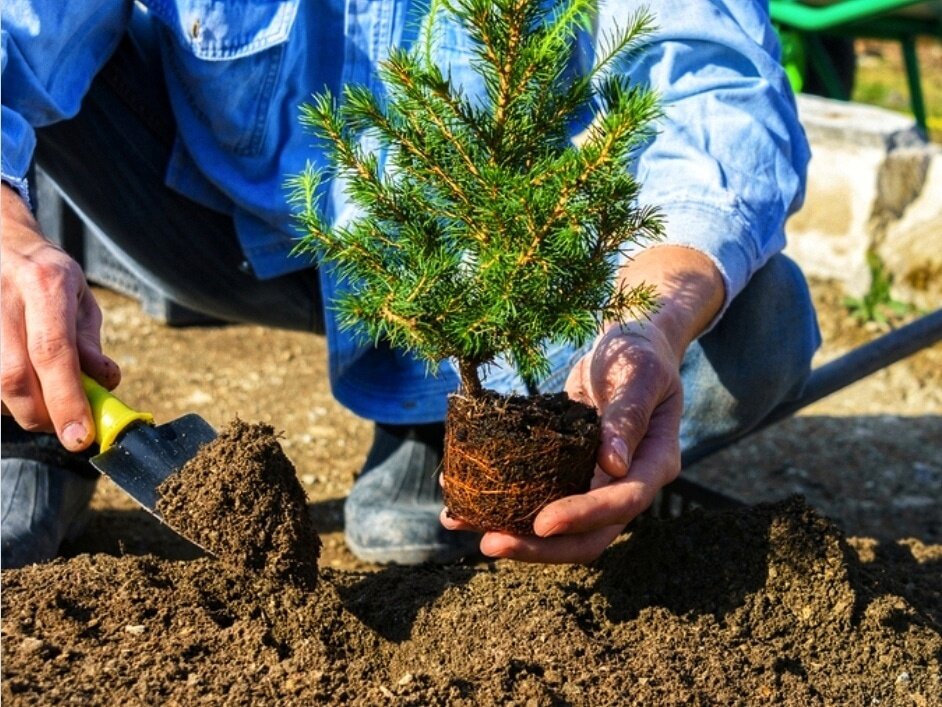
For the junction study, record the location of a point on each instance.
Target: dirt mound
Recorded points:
(763, 605)
(240, 498)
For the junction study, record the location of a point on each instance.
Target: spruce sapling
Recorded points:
(486, 230)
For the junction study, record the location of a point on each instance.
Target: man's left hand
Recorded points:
(632, 377)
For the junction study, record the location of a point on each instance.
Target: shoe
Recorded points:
(392, 512)
(45, 494)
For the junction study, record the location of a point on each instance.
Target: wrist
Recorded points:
(20, 228)
(13, 204)
(639, 334)
(18, 186)
(689, 290)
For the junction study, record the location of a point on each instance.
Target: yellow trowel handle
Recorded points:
(111, 416)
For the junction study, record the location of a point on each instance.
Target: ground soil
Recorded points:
(490, 477)
(768, 605)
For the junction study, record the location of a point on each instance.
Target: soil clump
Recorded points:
(506, 458)
(239, 498)
(763, 605)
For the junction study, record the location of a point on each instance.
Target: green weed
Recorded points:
(877, 304)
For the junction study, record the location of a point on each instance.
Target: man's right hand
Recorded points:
(51, 331)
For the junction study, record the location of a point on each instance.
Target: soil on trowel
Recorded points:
(766, 605)
(240, 499)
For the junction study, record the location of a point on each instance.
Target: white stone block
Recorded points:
(911, 248)
(874, 184)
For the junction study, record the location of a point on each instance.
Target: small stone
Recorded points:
(136, 629)
(404, 680)
(387, 693)
(31, 645)
(199, 397)
(902, 678)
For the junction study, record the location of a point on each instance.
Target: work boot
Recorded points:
(391, 514)
(45, 494)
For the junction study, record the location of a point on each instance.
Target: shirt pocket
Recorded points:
(225, 59)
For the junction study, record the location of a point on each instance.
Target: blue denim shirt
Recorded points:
(727, 165)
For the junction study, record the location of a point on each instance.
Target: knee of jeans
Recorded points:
(759, 354)
(790, 288)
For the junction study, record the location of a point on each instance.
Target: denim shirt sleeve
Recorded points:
(728, 163)
(49, 57)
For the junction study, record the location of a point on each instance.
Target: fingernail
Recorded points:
(111, 370)
(621, 449)
(74, 434)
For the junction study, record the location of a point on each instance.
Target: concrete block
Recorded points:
(911, 246)
(874, 184)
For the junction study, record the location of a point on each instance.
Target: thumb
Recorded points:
(614, 455)
(624, 424)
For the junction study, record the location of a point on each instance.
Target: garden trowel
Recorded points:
(134, 452)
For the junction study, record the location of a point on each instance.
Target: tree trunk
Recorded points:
(470, 381)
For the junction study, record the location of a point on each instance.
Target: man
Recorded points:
(185, 126)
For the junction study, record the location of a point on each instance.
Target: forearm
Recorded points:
(689, 290)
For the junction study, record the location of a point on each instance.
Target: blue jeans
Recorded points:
(111, 159)
(758, 355)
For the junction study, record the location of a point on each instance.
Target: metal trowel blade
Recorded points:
(145, 455)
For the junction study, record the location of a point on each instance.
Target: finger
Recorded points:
(575, 386)
(22, 394)
(88, 341)
(613, 455)
(562, 549)
(625, 423)
(51, 343)
(628, 383)
(22, 398)
(639, 388)
(614, 504)
(453, 522)
(656, 462)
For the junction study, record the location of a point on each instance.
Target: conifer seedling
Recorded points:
(486, 230)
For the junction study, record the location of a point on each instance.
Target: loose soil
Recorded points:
(741, 608)
(240, 498)
(506, 458)
(768, 605)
